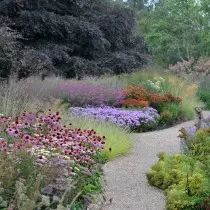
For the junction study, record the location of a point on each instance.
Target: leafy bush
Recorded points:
(170, 37)
(131, 102)
(171, 114)
(188, 134)
(204, 95)
(197, 71)
(141, 96)
(191, 67)
(182, 68)
(138, 120)
(166, 117)
(81, 94)
(97, 37)
(155, 84)
(184, 179)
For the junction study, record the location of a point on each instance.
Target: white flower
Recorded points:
(162, 79)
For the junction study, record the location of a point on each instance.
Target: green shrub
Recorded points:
(188, 194)
(172, 113)
(200, 145)
(166, 117)
(20, 178)
(204, 95)
(184, 179)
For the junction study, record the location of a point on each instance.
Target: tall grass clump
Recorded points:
(30, 94)
(117, 139)
(108, 81)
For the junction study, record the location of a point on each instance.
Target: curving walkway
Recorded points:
(126, 182)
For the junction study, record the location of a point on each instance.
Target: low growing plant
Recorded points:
(184, 179)
(204, 95)
(135, 120)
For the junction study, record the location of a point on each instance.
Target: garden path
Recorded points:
(126, 182)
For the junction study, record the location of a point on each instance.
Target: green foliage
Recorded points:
(204, 95)
(22, 182)
(204, 89)
(21, 179)
(201, 144)
(88, 186)
(170, 113)
(183, 178)
(166, 118)
(136, 4)
(170, 83)
(178, 199)
(176, 30)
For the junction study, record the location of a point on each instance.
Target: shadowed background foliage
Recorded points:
(71, 38)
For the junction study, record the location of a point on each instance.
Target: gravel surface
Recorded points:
(126, 182)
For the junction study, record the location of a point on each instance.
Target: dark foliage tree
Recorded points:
(68, 37)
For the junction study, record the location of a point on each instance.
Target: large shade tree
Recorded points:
(177, 30)
(71, 38)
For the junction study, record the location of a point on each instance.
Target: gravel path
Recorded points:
(126, 182)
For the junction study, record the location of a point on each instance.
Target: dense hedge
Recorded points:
(72, 38)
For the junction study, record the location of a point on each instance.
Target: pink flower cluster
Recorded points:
(48, 140)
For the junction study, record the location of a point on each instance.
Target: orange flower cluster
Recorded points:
(137, 96)
(136, 92)
(130, 102)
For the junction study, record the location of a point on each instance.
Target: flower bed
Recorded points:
(46, 138)
(73, 153)
(137, 96)
(140, 120)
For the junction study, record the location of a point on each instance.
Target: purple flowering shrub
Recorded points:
(137, 120)
(81, 94)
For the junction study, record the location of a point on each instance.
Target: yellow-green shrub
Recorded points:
(184, 179)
